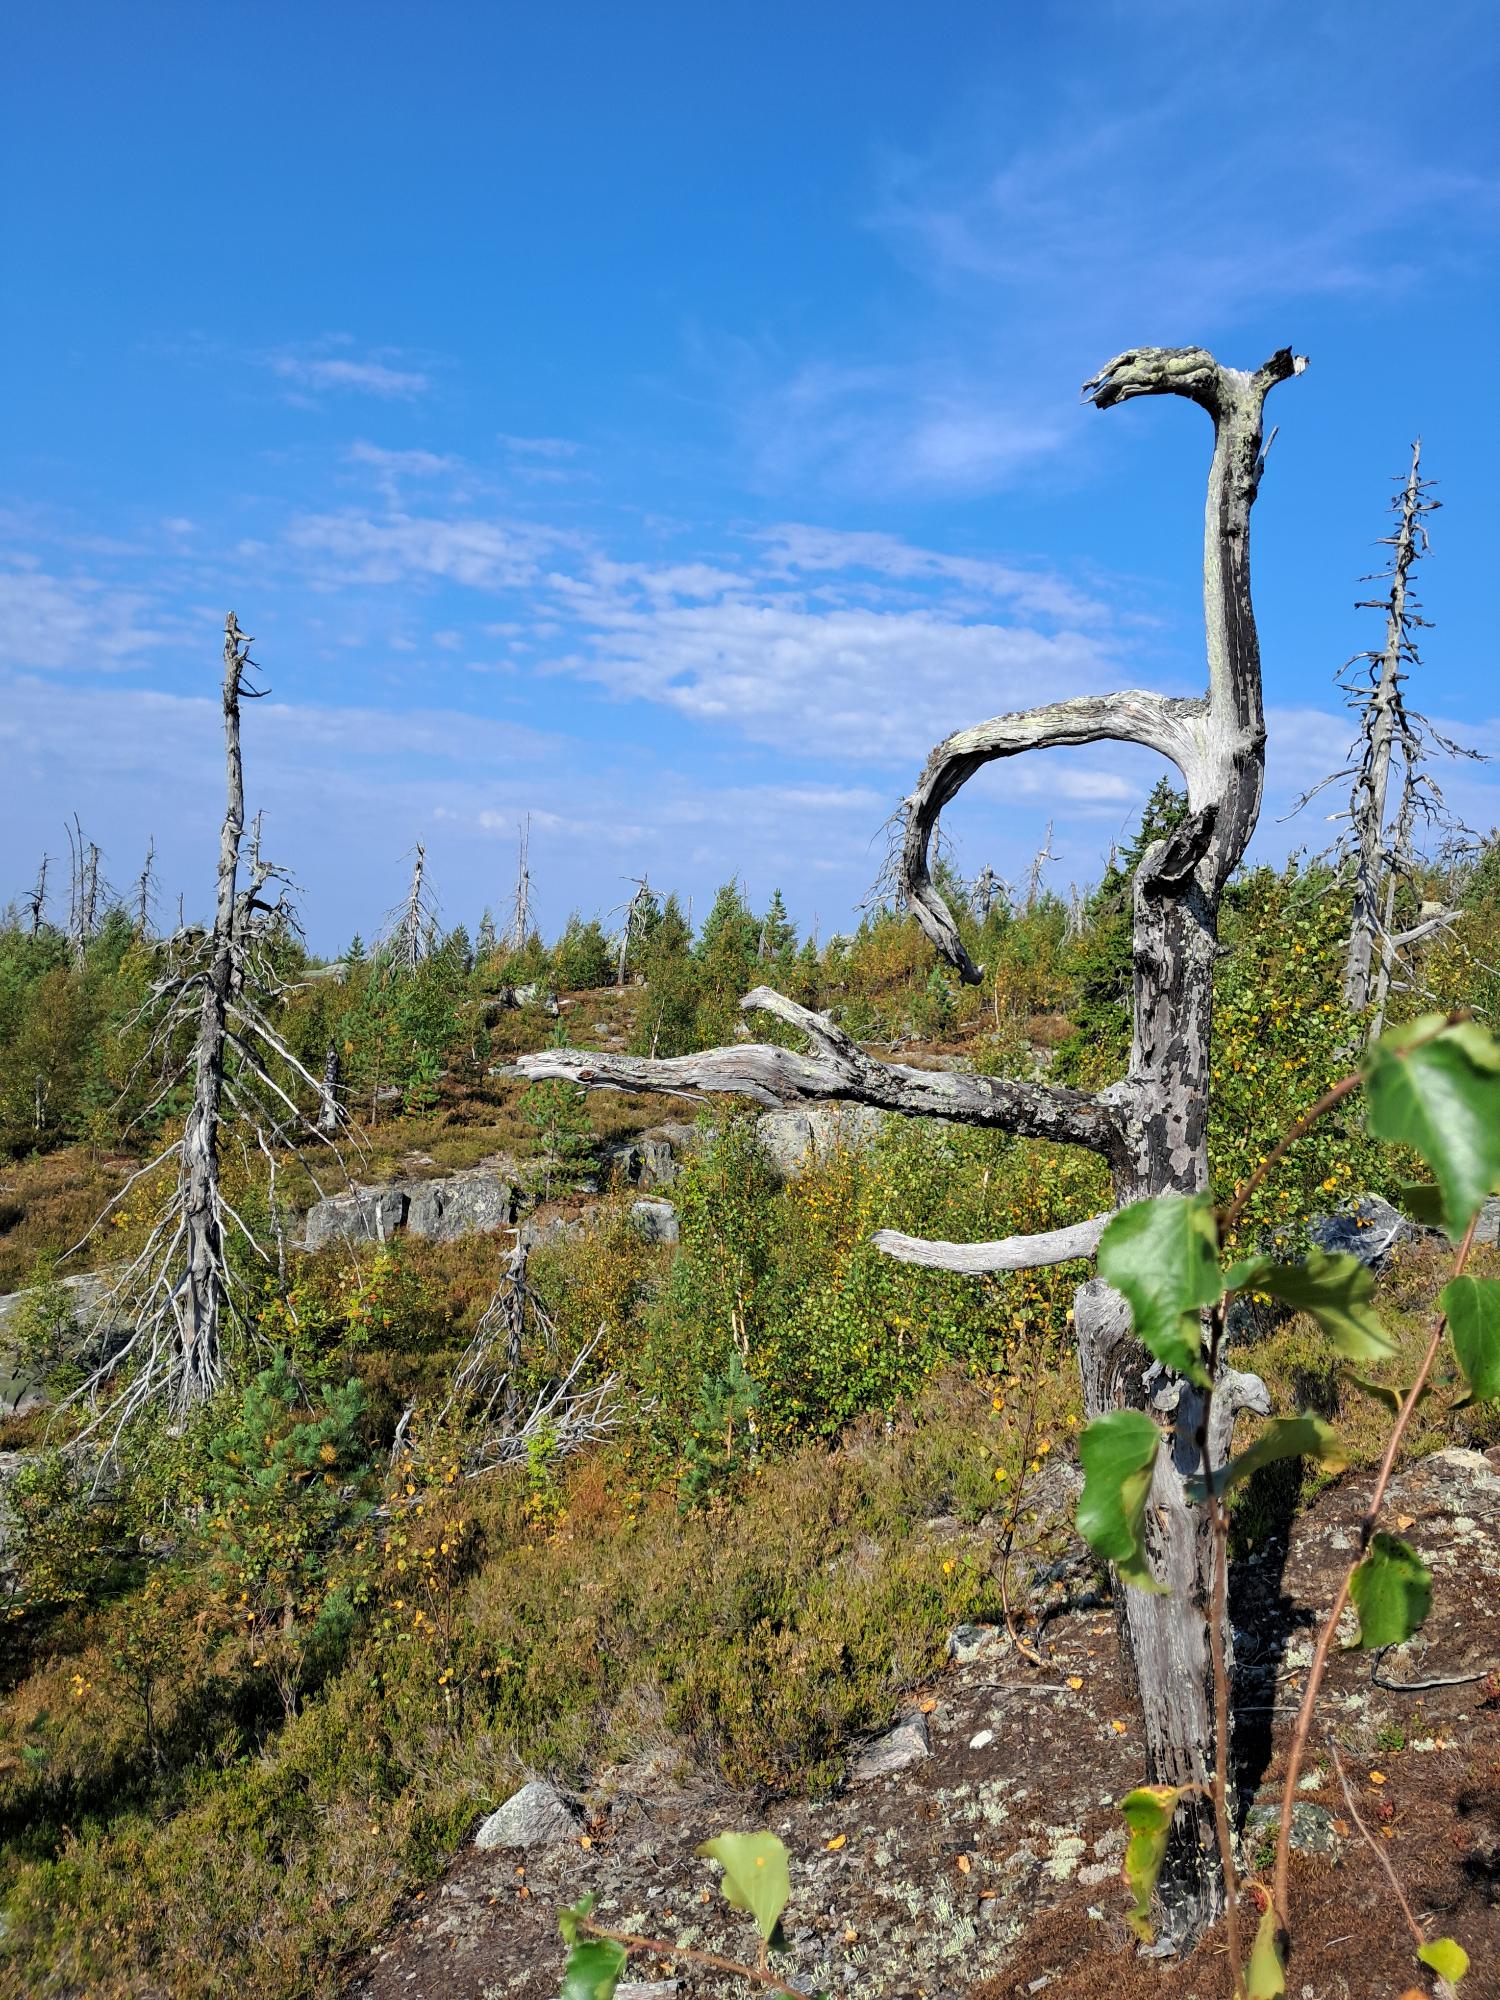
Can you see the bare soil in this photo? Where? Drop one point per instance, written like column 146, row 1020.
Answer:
column 991, row 1867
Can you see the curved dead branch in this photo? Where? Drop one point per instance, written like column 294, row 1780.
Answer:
column 838, row 1069
column 1131, row 717
column 1011, row 1253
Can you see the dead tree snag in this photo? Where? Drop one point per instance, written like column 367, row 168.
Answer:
column 1151, row 1125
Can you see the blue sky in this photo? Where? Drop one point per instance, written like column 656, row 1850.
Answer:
column 664, row 421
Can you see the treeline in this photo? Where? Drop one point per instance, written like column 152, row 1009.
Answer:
column 400, row 1031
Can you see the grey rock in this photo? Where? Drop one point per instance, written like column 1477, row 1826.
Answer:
column 648, row 1989
column 1487, row 1228
column 974, row 1642
column 23, row 1377
column 1369, row 1230
column 470, row 1204
column 655, row 1221
column 1457, row 1483
column 536, row 1816
column 793, row 1138
column 906, row 1744
column 1312, row 1828
column 620, row 1160
column 364, row 1215
column 658, row 1166
column 536, row 995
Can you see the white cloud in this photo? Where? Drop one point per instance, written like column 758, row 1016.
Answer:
column 314, row 369
column 354, row 547
column 55, row 624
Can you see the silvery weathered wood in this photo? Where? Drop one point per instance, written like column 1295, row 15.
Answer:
column 1150, row 1125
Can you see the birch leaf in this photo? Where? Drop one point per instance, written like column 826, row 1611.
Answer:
column 1148, row 1811
column 1162, row 1256
column 1118, row 1455
column 1392, row 1592
column 1473, row 1309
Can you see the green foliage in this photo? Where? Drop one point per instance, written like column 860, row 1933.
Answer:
column 1163, row 1256
column 1337, row 1291
column 1436, row 1087
column 582, row 959
column 554, row 1114
column 1472, row 1307
column 755, row 1875
column 1149, row 1811
column 1281, row 1037
column 1447, row 1959
column 1118, row 1455
column 1392, row 1592
column 1265, row 1976
column 593, row 1969
column 1283, row 1437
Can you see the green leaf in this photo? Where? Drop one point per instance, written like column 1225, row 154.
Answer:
column 1335, row 1290
column 1437, row 1089
column 1148, row 1811
column 571, row 1918
column 1118, row 1455
column 1265, row 1978
column 1423, row 1202
column 755, row 1875
column 1473, row 1309
column 1284, row 1437
column 593, row 1968
column 1163, row 1257
column 1391, row 1398
column 1447, row 1958
column 1392, row 1591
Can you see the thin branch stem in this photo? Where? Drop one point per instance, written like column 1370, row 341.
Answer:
column 1336, row 1609
column 660, row 1948
column 1240, row 1199
column 1383, row 1858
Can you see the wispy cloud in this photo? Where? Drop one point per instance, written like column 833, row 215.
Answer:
column 77, row 623
column 327, row 366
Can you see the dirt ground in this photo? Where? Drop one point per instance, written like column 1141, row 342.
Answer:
column 990, row 1867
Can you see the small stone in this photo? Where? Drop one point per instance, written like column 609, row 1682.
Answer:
column 982, row 1740
column 536, row 1816
column 974, row 1642
column 906, row 1744
column 1312, row 1827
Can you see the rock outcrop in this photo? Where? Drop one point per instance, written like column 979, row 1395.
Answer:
column 466, row 1204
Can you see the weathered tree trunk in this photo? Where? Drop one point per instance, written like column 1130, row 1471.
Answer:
column 328, row 1106
column 1372, row 865
column 1152, row 1125
column 202, row 1302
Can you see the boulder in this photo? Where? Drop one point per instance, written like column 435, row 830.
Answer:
column 792, row 1138
column 364, row 1215
column 655, row 1221
column 470, row 1204
column 904, row 1745
column 536, row 1816
column 1369, row 1230
column 1487, row 1229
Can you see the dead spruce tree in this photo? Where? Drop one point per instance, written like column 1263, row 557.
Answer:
column 1151, row 1126
column 1393, row 749
column 214, row 999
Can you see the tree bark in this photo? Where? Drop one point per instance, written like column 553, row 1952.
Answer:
column 1371, row 863
column 202, row 1301
column 1152, row 1125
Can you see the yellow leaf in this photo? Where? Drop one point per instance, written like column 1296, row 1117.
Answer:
column 1118, row 1728
column 1075, row 1680
column 1377, row 1777
column 963, row 1864
column 837, row 1842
